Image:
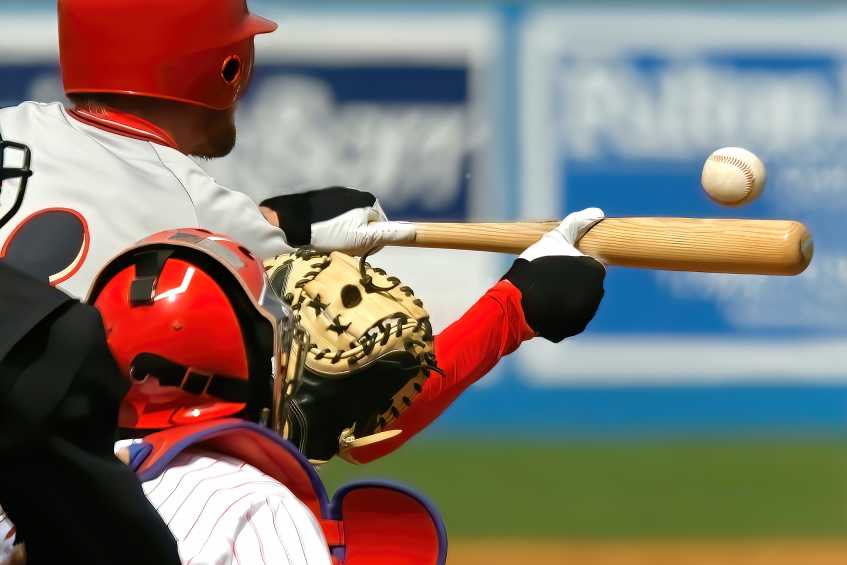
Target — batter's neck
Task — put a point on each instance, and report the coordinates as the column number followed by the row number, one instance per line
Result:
column 189, row 129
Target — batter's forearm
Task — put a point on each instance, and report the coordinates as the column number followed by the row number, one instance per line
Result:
column 465, row 351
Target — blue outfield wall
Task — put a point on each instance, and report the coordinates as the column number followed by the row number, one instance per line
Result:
column 528, row 110
column 648, row 412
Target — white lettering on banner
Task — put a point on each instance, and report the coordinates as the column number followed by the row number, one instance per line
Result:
column 294, row 135
column 686, row 110
column 682, row 111
column 635, row 92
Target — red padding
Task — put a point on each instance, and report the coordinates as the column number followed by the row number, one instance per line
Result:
column 333, row 532
column 272, row 459
column 387, row 527
column 248, row 443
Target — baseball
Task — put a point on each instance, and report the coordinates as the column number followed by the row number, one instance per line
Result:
column 733, row 176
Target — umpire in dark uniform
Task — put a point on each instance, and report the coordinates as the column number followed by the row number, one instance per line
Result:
column 70, row 499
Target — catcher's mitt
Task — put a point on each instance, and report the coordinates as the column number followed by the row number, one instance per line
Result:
column 371, row 350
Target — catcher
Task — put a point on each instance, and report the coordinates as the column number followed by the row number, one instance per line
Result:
column 231, row 489
column 373, row 375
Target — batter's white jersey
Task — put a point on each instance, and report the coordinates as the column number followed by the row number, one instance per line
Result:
column 223, row 511
column 94, row 193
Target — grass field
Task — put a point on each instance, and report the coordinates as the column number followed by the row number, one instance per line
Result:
column 630, row 503
column 740, row 489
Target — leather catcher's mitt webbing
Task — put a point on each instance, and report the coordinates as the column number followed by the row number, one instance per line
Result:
column 371, row 350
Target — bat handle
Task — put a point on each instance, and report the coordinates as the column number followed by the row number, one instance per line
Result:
column 506, row 237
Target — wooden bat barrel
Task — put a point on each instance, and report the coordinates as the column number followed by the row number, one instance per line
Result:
column 762, row 247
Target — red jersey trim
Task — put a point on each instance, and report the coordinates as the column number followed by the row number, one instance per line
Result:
column 124, row 124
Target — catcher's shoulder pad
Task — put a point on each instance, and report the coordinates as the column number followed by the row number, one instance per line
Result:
column 362, row 522
column 246, row 441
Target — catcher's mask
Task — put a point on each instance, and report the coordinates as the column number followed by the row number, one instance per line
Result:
column 20, row 170
column 196, row 329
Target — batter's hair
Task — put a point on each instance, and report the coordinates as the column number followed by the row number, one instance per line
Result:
column 96, row 102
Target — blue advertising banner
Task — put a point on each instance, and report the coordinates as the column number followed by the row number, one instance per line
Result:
column 622, row 109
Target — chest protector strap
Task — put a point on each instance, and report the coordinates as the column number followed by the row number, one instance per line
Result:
column 366, row 523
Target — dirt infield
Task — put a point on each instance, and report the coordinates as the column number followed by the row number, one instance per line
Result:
column 648, row 553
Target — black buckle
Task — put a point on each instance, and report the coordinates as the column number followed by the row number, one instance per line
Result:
column 23, row 173
column 196, row 383
column 171, row 374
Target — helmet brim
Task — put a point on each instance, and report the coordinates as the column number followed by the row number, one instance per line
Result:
column 257, row 25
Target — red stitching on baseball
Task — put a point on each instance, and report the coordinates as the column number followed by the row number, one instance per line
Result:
column 736, row 162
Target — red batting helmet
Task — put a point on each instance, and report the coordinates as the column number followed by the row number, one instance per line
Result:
column 196, row 328
column 194, row 51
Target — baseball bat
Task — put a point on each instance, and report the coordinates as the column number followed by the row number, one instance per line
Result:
column 759, row 247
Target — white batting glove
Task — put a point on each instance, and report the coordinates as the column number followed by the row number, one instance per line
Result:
column 360, row 230
column 337, row 218
column 563, row 239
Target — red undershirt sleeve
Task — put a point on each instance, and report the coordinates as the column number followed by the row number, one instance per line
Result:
column 465, row 351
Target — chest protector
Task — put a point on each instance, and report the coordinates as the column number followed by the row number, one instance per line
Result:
column 365, row 523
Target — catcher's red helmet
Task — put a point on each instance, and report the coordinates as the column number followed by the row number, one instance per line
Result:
column 194, row 51
column 195, row 327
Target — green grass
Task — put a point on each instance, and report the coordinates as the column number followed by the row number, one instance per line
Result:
column 742, row 489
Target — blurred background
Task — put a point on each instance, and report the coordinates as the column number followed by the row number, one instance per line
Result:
column 701, row 418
